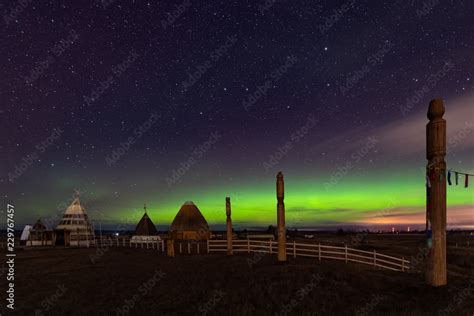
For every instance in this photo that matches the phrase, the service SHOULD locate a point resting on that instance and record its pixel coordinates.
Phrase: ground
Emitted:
(124, 281)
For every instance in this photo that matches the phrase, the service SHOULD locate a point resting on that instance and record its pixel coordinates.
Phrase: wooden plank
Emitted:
(359, 261)
(329, 257)
(388, 262)
(390, 257)
(332, 252)
(385, 267)
(360, 256)
(361, 251)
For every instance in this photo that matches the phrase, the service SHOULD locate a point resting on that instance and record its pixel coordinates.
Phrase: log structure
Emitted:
(281, 230)
(229, 226)
(436, 274)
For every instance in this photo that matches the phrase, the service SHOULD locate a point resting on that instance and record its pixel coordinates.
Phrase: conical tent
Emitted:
(145, 227)
(189, 223)
(76, 221)
(145, 232)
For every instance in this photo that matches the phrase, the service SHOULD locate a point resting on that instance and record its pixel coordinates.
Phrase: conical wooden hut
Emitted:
(145, 231)
(76, 223)
(189, 224)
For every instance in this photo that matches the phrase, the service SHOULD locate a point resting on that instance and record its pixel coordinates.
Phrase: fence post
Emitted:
(271, 246)
(403, 264)
(294, 249)
(189, 248)
(180, 248)
(345, 251)
(123, 242)
(118, 242)
(197, 247)
(375, 258)
(207, 242)
(319, 252)
(248, 245)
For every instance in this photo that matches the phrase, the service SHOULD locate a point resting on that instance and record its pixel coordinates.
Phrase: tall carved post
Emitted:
(436, 274)
(281, 230)
(229, 226)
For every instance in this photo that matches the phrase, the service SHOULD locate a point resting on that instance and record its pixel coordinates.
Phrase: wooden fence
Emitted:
(314, 250)
(118, 242)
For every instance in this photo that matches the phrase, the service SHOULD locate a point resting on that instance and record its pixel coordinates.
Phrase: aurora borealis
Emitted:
(334, 98)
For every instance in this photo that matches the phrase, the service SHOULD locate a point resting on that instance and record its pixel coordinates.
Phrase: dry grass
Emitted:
(220, 285)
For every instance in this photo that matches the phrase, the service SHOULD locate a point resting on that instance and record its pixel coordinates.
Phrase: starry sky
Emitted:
(133, 102)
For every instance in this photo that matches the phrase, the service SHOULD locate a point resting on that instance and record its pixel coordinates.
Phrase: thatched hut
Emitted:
(189, 224)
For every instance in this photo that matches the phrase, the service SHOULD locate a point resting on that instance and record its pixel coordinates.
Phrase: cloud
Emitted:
(406, 135)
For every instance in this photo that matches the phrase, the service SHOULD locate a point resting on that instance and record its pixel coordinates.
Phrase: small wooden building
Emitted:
(37, 235)
(189, 224)
(145, 231)
(76, 222)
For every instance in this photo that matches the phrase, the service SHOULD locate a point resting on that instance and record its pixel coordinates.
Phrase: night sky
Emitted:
(133, 102)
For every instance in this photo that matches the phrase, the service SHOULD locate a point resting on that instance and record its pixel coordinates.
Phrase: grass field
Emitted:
(124, 281)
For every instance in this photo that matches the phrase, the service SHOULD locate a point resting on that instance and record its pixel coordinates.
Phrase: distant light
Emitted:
(116, 234)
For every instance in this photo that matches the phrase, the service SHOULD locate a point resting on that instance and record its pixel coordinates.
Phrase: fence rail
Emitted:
(294, 249)
(319, 251)
(117, 242)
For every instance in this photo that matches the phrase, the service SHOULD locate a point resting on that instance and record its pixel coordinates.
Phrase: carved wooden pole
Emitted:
(229, 226)
(281, 230)
(436, 274)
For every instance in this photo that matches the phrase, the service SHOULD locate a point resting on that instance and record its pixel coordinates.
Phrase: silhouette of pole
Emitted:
(436, 274)
(281, 218)
(229, 226)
